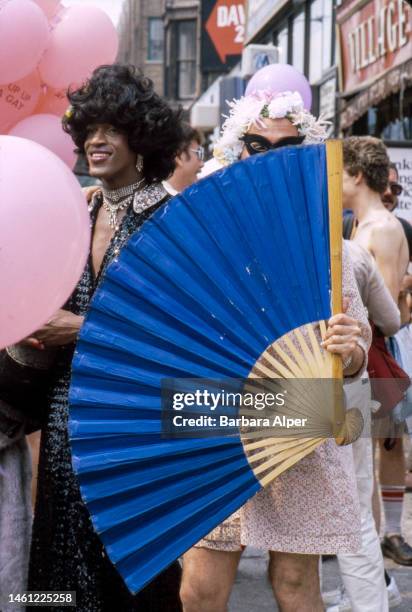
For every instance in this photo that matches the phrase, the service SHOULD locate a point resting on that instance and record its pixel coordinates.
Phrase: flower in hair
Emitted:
(251, 110)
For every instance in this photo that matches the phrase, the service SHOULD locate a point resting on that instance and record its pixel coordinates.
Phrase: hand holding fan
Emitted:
(212, 286)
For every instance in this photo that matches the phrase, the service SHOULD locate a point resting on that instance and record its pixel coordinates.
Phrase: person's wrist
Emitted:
(347, 361)
(357, 359)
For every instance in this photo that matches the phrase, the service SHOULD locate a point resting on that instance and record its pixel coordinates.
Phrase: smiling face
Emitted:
(109, 156)
(190, 163)
(274, 130)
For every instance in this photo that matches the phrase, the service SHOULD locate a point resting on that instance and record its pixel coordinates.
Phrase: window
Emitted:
(186, 59)
(282, 44)
(155, 46)
(320, 56)
(180, 73)
(298, 41)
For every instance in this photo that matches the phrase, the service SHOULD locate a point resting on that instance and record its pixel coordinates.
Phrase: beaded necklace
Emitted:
(115, 200)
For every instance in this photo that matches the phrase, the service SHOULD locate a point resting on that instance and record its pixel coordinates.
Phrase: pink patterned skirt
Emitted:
(312, 508)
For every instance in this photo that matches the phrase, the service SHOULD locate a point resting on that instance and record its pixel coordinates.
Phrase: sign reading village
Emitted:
(374, 37)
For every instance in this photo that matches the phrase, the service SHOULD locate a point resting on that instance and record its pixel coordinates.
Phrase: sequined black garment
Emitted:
(66, 554)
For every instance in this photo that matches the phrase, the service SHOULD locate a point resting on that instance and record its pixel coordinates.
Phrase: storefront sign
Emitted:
(259, 12)
(223, 33)
(373, 39)
(402, 157)
(327, 98)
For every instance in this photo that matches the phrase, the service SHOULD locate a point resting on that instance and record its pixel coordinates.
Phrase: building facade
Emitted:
(376, 80)
(141, 38)
(182, 45)
(182, 78)
(304, 33)
(162, 38)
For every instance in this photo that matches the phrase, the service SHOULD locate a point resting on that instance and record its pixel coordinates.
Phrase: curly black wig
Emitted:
(121, 96)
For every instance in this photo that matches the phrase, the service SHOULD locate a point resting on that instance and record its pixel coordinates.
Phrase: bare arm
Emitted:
(385, 245)
(349, 333)
(382, 308)
(62, 329)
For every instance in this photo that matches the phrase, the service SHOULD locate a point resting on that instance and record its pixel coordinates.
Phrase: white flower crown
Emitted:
(250, 110)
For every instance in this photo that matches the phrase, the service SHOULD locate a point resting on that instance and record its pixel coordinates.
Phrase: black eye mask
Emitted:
(255, 143)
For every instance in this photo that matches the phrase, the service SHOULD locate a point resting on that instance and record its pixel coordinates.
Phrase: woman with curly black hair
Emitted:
(130, 138)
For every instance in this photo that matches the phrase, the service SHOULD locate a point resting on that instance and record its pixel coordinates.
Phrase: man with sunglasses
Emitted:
(404, 337)
(393, 190)
(188, 162)
(390, 200)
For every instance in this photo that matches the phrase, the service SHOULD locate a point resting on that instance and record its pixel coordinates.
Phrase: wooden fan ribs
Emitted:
(297, 355)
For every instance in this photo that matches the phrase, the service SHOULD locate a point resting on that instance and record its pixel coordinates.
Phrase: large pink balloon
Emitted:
(279, 78)
(47, 130)
(83, 39)
(18, 100)
(52, 101)
(49, 7)
(44, 236)
(24, 34)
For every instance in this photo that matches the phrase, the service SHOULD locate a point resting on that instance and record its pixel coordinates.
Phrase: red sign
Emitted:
(373, 39)
(226, 27)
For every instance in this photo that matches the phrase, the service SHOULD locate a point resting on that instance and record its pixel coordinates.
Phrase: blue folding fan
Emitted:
(210, 287)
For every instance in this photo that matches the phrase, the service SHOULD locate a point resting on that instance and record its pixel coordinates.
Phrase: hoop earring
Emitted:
(139, 163)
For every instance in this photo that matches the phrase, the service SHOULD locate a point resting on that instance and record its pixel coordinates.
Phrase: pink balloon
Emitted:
(24, 34)
(49, 7)
(53, 102)
(18, 100)
(47, 131)
(83, 39)
(44, 236)
(279, 78)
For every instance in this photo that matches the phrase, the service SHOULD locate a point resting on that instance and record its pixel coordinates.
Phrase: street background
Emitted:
(252, 592)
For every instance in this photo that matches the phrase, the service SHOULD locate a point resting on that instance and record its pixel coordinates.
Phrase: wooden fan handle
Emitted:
(334, 160)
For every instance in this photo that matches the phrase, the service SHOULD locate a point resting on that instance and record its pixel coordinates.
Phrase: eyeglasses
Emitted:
(255, 143)
(396, 189)
(200, 152)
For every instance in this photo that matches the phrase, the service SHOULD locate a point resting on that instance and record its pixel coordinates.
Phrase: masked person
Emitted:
(130, 138)
(312, 508)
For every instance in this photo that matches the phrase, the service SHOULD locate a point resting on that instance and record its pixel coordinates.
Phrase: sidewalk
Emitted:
(252, 592)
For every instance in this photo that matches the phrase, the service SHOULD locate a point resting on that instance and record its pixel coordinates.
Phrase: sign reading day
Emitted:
(223, 33)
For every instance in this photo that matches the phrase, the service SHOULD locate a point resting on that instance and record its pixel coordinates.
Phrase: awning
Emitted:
(385, 85)
(204, 114)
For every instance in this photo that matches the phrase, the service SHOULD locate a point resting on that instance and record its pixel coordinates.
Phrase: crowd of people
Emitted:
(140, 153)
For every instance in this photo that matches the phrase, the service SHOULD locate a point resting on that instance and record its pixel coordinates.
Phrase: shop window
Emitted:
(186, 59)
(155, 46)
(320, 52)
(390, 120)
(298, 41)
